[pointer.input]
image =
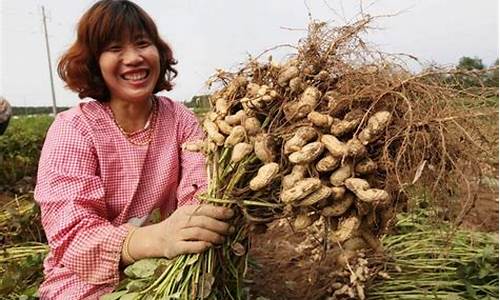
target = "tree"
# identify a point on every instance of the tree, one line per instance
(469, 77)
(468, 63)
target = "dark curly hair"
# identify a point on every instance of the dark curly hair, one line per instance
(105, 22)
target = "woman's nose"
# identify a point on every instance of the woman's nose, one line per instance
(131, 55)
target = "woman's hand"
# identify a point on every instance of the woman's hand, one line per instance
(190, 229)
(193, 229)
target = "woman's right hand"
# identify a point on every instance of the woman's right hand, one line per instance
(190, 229)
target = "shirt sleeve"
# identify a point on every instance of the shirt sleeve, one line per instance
(193, 176)
(71, 196)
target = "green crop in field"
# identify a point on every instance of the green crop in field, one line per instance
(20, 148)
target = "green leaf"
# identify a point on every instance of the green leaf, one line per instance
(113, 296)
(155, 216)
(484, 271)
(136, 286)
(131, 296)
(143, 268)
(470, 290)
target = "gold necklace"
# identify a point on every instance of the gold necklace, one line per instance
(150, 126)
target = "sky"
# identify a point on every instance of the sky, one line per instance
(220, 34)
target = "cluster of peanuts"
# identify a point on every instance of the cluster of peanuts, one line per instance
(321, 165)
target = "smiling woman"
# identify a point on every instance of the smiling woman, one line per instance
(104, 29)
(112, 161)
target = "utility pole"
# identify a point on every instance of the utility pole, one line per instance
(54, 105)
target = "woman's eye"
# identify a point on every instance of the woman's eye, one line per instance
(114, 49)
(143, 43)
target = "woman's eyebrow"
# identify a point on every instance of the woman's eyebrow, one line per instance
(140, 36)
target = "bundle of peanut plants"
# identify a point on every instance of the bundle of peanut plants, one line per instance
(21, 269)
(426, 262)
(337, 133)
(20, 221)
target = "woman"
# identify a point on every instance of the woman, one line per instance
(108, 163)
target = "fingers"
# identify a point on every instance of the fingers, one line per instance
(201, 234)
(187, 247)
(216, 212)
(210, 224)
(195, 228)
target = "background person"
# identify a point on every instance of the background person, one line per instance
(5, 114)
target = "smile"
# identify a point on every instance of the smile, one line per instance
(136, 76)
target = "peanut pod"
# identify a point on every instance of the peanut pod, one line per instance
(307, 154)
(365, 166)
(298, 173)
(299, 139)
(212, 116)
(362, 189)
(264, 147)
(236, 136)
(213, 132)
(287, 74)
(237, 118)
(265, 175)
(355, 148)
(301, 108)
(334, 146)
(233, 87)
(322, 193)
(296, 85)
(327, 163)
(224, 127)
(338, 177)
(354, 244)
(338, 192)
(193, 146)
(376, 124)
(308, 101)
(302, 221)
(252, 126)
(323, 75)
(348, 124)
(319, 119)
(345, 230)
(240, 151)
(301, 189)
(222, 107)
(339, 207)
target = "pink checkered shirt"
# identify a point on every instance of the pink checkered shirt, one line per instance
(92, 181)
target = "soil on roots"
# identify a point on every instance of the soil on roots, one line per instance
(483, 215)
(290, 265)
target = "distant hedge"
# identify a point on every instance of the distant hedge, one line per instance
(35, 110)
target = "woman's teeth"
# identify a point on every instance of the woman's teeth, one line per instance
(135, 76)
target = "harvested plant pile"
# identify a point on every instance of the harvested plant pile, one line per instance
(22, 249)
(336, 135)
(20, 221)
(426, 262)
(21, 269)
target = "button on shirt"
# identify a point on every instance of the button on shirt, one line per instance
(92, 181)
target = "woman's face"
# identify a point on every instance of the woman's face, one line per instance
(130, 69)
